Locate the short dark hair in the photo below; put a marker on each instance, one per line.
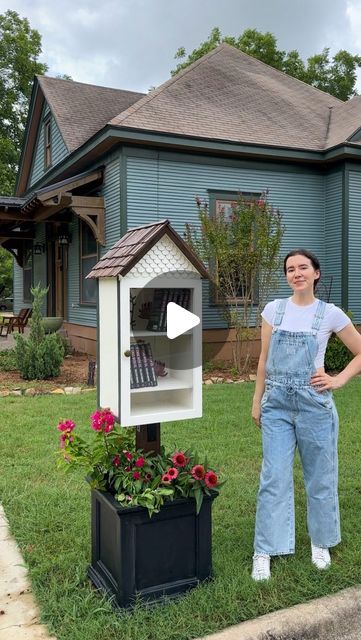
(307, 254)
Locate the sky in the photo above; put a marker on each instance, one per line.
(130, 44)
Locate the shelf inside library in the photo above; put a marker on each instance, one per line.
(169, 384)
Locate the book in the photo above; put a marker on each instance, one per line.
(150, 364)
(154, 318)
(133, 368)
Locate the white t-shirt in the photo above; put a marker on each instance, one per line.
(299, 318)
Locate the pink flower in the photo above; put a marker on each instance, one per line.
(128, 468)
(179, 459)
(166, 479)
(128, 455)
(66, 426)
(198, 472)
(136, 475)
(102, 420)
(116, 461)
(172, 473)
(211, 479)
(139, 462)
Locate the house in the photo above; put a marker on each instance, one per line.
(97, 162)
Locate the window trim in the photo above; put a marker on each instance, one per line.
(47, 143)
(82, 225)
(214, 196)
(28, 251)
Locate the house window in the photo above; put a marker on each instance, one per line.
(27, 272)
(223, 203)
(47, 144)
(88, 258)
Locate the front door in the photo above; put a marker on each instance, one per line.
(58, 259)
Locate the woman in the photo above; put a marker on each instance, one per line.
(294, 407)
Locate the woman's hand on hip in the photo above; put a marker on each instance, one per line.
(321, 381)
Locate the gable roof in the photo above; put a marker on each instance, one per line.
(135, 243)
(229, 95)
(81, 110)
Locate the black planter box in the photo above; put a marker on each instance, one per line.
(134, 555)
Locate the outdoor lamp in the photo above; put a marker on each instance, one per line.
(38, 248)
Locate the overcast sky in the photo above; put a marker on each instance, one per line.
(130, 44)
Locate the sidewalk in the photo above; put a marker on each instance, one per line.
(8, 342)
(18, 612)
(330, 618)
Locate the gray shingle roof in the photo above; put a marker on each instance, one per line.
(134, 245)
(228, 95)
(81, 110)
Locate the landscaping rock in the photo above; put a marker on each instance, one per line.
(252, 377)
(58, 392)
(208, 382)
(16, 392)
(4, 393)
(30, 392)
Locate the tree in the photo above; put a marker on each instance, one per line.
(6, 273)
(337, 76)
(20, 47)
(241, 248)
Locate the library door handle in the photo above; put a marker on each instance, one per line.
(127, 353)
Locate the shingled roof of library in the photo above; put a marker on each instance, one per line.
(134, 245)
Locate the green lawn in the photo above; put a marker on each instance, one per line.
(49, 514)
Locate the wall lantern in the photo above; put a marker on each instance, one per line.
(64, 237)
(38, 248)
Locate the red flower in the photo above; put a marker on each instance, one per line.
(166, 479)
(172, 473)
(211, 479)
(140, 462)
(136, 475)
(116, 461)
(128, 468)
(67, 426)
(179, 459)
(128, 455)
(198, 472)
(102, 420)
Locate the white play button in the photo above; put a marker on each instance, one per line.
(179, 320)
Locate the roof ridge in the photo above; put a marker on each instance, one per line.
(153, 94)
(283, 72)
(87, 84)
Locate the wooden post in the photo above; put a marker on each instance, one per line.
(148, 437)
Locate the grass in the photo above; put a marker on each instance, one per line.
(49, 514)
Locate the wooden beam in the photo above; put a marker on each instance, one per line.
(90, 202)
(16, 216)
(6, 234)
(70, 186)
(43, 214)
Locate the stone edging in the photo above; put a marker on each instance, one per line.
(71, 391)
(31, 391)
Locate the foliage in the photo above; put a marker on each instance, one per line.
(39, 356)
(20, 47)
(337, 355)
(6, 271)
(241, 249)
(337, 76)
(8, 360)
(112, 464)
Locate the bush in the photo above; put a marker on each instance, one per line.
(39, 356)
(8, 360)
(337, 354)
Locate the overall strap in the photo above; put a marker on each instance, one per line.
(280, 311)
(319, 314)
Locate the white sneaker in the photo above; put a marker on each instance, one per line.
(320, 557)
(261, 567)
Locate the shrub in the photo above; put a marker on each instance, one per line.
(337, 354)
(8, 360)
(39, 356)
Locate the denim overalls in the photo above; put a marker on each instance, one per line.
(294, 414)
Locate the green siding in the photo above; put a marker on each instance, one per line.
(84, 314)
(354, 245)
(332, 265)
(58, 148)
(158, 188)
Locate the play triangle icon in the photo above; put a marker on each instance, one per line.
(179, 320)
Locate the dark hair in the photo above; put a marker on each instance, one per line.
(307, 254)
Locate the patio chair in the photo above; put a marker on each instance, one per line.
(19, 322)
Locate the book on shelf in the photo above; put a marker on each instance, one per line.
(161, 298)
(142, 373)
